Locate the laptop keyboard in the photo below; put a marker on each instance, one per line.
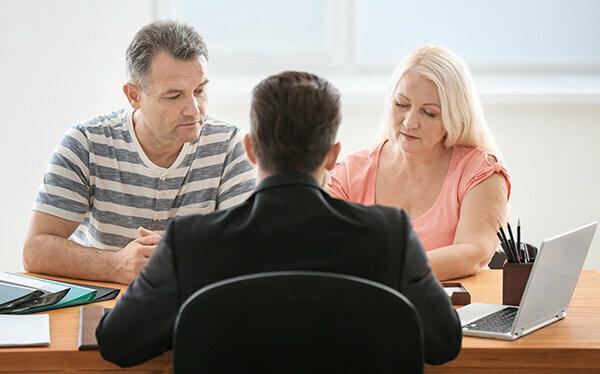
(501, 321)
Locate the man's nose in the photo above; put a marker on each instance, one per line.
(193, 107)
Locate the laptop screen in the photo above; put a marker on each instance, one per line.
(554, 276)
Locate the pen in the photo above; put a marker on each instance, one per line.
(513, 243)
(505, 241)
(506, 251)
(519, 233)
(508, 248)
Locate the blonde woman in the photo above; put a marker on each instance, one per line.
(437, 160)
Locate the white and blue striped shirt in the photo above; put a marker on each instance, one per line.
(100, 177)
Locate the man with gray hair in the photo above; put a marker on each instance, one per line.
(115, 180)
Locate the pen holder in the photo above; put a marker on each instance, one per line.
(514, 280)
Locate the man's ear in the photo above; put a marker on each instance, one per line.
(249, 147)
(133, 94)
(332, 156)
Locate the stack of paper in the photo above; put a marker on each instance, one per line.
(18, 331)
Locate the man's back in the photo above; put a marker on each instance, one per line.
(288, 224)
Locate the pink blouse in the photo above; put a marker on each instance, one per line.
(354, 179)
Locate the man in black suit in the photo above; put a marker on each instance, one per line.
(289, 223)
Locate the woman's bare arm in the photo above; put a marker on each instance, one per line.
(475, 239)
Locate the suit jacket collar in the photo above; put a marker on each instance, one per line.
(287, 179)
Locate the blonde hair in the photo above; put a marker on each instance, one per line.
(462, 114)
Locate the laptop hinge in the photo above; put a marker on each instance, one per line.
(538, 325)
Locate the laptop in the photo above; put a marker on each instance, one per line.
(547, 294)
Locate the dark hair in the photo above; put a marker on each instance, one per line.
(179, 39)
(294, 121)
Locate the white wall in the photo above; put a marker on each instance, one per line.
(63, 62)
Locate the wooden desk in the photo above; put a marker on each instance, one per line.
(63, 355)
(570, 345)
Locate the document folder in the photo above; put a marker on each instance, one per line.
(102, 293)
(76, 295)
(47, 294)
(52, 293)
(13, 294)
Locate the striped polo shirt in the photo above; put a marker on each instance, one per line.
(100, 177)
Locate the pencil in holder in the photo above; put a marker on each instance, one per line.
(514, 280)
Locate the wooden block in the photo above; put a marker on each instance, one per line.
(89, 317)
(462, 297)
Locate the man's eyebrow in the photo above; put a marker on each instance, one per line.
(174, 90)
(171, 91)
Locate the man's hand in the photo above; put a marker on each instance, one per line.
(129, 261)
(144, 233)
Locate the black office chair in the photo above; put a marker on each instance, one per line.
(297, 322)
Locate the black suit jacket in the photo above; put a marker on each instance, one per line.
(289, 223)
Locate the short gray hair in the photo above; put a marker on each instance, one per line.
(176, 38)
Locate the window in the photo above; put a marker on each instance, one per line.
(490, 35)
(247, 35)
(516, 35)
(542, 50)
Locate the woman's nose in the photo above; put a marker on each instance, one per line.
(411, 121)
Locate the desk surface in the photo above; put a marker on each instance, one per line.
(572, 344)
(569, 345)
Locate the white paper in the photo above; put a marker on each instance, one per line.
(451, 290)
(26, 330)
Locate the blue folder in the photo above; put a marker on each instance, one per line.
(76, 295)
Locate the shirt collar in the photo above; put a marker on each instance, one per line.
(286, 179)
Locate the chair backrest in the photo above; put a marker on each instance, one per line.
(297, 322)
